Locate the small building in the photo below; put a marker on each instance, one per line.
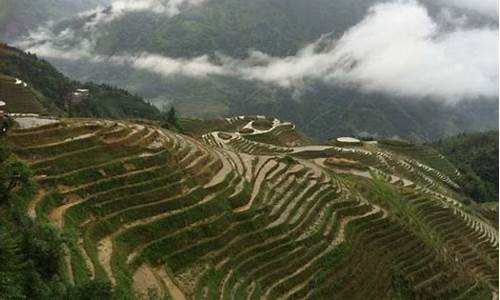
(78, 96)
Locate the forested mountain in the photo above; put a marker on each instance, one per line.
(56, 92)
(187, 57)
(476, 156)
(17, 17)
(322, 110)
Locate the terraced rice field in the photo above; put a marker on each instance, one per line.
(18, 96)
(227, 217)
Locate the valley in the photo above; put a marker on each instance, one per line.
(244, 150)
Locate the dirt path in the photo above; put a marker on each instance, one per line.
(104, 252)
(56, 216)
(222, 173)
(34, 203)
(86, 257)
(175, 292)
(144, 279)
(67, 260)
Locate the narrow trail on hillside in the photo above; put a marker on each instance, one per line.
(175, 292)
(32, 205)
(56, 216)
(69, 266)
(104, 253)
(88, 261)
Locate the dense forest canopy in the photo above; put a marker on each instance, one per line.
(476, 156)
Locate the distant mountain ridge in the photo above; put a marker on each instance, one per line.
(17, 17)
(280, 28)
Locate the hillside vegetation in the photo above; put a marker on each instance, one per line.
(225, 215)
(48, 88)
(476, 156)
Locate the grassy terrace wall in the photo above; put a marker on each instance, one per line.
(144, 208)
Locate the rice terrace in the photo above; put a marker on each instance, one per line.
(223, 215)
(249, 150)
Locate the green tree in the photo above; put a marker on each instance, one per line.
(172, 117)
(11, 266)
(169, 120)
(13, 174)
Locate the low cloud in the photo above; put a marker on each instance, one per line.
(397, 49)
(166, 66)
(485, 7)
(119, 8)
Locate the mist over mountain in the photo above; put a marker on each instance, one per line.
(262, 149)
(224, 57)
(18, 17)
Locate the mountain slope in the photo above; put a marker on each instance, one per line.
(52, 89)
(231, 217)
(476, 156)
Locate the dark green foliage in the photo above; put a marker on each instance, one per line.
(93, 290)
(476, 157)
(11, 280)
(334, 257)
(13, 174)
(31, 251)
(103, 100)
(169, 119)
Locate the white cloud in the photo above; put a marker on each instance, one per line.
(397, 49)
(166, 66)
(485, 7)
(119, 8)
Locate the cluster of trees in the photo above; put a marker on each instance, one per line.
(31, 252)
(476, 157)
(169, 119)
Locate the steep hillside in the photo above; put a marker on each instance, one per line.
(476, 156)
(228, 216)
(41, 82)
(22, 99)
